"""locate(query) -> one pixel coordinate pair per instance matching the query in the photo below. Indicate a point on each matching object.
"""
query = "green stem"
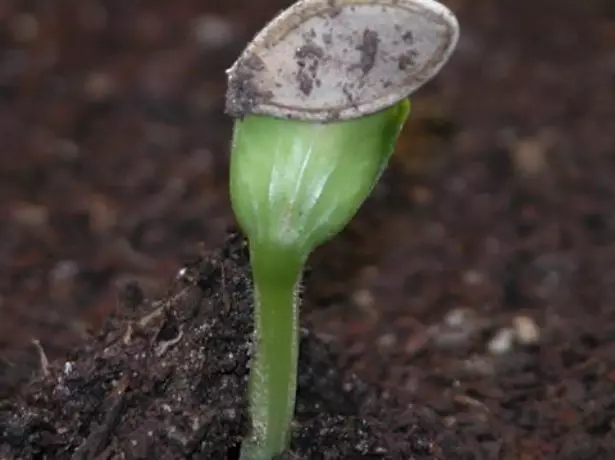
(293, 186)
(276, 272)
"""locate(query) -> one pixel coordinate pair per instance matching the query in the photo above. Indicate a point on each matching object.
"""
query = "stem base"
(273, 375)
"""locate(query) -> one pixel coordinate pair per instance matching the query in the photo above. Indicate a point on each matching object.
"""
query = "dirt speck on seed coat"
(243, 94)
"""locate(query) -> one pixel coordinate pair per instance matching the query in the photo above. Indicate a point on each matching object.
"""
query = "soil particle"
(167, 380)
(308, 58)
(243, 93)
(334, 9)
(408, 37)
(406, 60)
(369, 50)
(306, 82)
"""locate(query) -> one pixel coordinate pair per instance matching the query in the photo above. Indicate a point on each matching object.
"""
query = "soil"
(243, 94)
(167, 380)
(473, 295)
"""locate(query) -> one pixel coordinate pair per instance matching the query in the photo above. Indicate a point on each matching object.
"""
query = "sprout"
(293, 186)
(319, 97)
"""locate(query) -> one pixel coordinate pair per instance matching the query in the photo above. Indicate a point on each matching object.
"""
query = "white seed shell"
(326, 60)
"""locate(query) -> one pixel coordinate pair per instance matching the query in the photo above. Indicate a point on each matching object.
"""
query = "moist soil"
(167, 380)
(467, 312)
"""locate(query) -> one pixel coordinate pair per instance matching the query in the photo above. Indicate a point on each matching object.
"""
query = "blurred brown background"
(495, 219)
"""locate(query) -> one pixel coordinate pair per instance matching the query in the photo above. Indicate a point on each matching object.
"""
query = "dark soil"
(167, 380)
(476, 288)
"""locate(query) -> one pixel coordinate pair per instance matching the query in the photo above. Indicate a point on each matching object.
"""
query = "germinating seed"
(327, 60)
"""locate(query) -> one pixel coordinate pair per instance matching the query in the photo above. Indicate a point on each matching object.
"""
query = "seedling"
(319, 97)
